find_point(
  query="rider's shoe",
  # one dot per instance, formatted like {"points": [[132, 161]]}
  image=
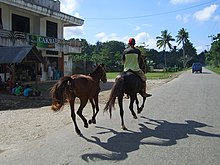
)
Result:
{"points": [[146, 95]]}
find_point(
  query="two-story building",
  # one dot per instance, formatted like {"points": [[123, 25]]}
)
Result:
{"points": [[35, 28]]}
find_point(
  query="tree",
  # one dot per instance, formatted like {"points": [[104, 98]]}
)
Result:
{"points": [[190, 53], [215, 51], [182, 37], [163, 41]]}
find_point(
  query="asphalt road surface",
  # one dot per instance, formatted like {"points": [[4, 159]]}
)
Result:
{"points": [[180, 125]]}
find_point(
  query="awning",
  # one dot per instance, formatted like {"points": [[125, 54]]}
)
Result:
{"points": [[17, 54]]}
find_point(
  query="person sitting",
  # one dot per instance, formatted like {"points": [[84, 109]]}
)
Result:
{"points": [[27, 91], [9, 85], [131, 57], [18, 89]]}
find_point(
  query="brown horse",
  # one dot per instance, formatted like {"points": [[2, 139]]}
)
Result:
{"points": [[85, 87]]}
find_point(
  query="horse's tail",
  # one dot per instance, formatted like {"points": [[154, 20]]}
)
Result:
{"points": [[59, 93], [116, 89]]}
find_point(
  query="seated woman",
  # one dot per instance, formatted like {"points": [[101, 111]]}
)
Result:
{"points": [[27, 91], [18, 90]]}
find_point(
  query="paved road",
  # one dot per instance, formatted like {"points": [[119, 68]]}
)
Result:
{"points": [[179, 125]]}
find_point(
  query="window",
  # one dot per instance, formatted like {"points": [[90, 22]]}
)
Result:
{"points": [[20, 23], [51, 29]]}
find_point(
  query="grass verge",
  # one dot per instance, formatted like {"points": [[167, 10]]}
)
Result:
{"points": [[150, 75], [216, 70]]}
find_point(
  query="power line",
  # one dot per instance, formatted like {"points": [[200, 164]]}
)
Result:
{"points": [[150, 15]]}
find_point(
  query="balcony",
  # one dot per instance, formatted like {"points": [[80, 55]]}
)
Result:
{"points": [[14, 38]]}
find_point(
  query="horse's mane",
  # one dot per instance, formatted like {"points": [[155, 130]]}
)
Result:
{"points": [[94, 72], [96, 69]]}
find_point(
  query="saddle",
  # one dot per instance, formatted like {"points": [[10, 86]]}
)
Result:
{"points": [[129, 72]]}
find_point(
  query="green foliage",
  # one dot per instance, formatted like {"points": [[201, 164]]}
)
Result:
{"points": [[110, 53], [214, 69], [164, 40], [182, 37], [213, 56]]}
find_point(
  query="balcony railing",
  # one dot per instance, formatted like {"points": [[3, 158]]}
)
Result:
{"points": [[14, 38]]}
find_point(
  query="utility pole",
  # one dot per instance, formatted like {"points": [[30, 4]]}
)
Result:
{"points": [[214, 38]]}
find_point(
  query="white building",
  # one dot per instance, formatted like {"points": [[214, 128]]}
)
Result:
{"points": [[39, 23]]}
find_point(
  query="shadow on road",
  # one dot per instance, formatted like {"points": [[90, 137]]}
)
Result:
{"points": [[164, 134]]}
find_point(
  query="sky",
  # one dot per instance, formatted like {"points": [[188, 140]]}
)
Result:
{"points": [[119, 20]]}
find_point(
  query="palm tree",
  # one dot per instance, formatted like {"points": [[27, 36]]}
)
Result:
{"points": [[182, 37], [163, 41]]}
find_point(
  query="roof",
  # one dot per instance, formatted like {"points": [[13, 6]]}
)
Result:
{"points": [[17, 54]]}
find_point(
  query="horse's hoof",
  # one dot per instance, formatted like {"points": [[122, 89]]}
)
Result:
{"points": [[86, 126], [140, 110], [124, 128], [90, 121]]}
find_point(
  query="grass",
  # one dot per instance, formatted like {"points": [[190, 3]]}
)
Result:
{"points": [[151, 75], [159, 75], [216, 70]]}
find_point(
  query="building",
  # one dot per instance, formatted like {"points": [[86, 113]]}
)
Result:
{"points": [[38, 23]]}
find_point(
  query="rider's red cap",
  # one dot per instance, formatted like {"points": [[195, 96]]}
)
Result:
{"points": [[131, 41]]}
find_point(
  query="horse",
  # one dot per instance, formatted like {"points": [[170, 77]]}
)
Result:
{"points": [[84, 87], [126, 83]]}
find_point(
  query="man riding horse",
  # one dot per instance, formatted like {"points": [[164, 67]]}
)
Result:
{"points": [[131, 57]]}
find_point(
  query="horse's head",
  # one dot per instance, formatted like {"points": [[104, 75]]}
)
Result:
{"points": [[103, 77], [99, 73]]}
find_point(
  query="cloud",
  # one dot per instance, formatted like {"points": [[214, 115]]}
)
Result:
{"points": [[68, 6], [206, 13], [184, 18], [200, 49], [73, 32], [102, 37], [141, 38], [175, 2], [145, 39]]}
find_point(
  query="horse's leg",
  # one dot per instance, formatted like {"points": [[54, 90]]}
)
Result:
{"points": [[120, 103], [137, 102], [83, 103], [97, 109], [131, 107], [73, 115], [93, 109], [142, 105]]}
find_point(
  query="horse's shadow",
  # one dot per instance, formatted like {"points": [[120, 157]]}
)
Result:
{"points": [[164, 134]]}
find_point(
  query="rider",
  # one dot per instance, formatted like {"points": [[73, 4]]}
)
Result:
{"points": [[130, 58]]}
